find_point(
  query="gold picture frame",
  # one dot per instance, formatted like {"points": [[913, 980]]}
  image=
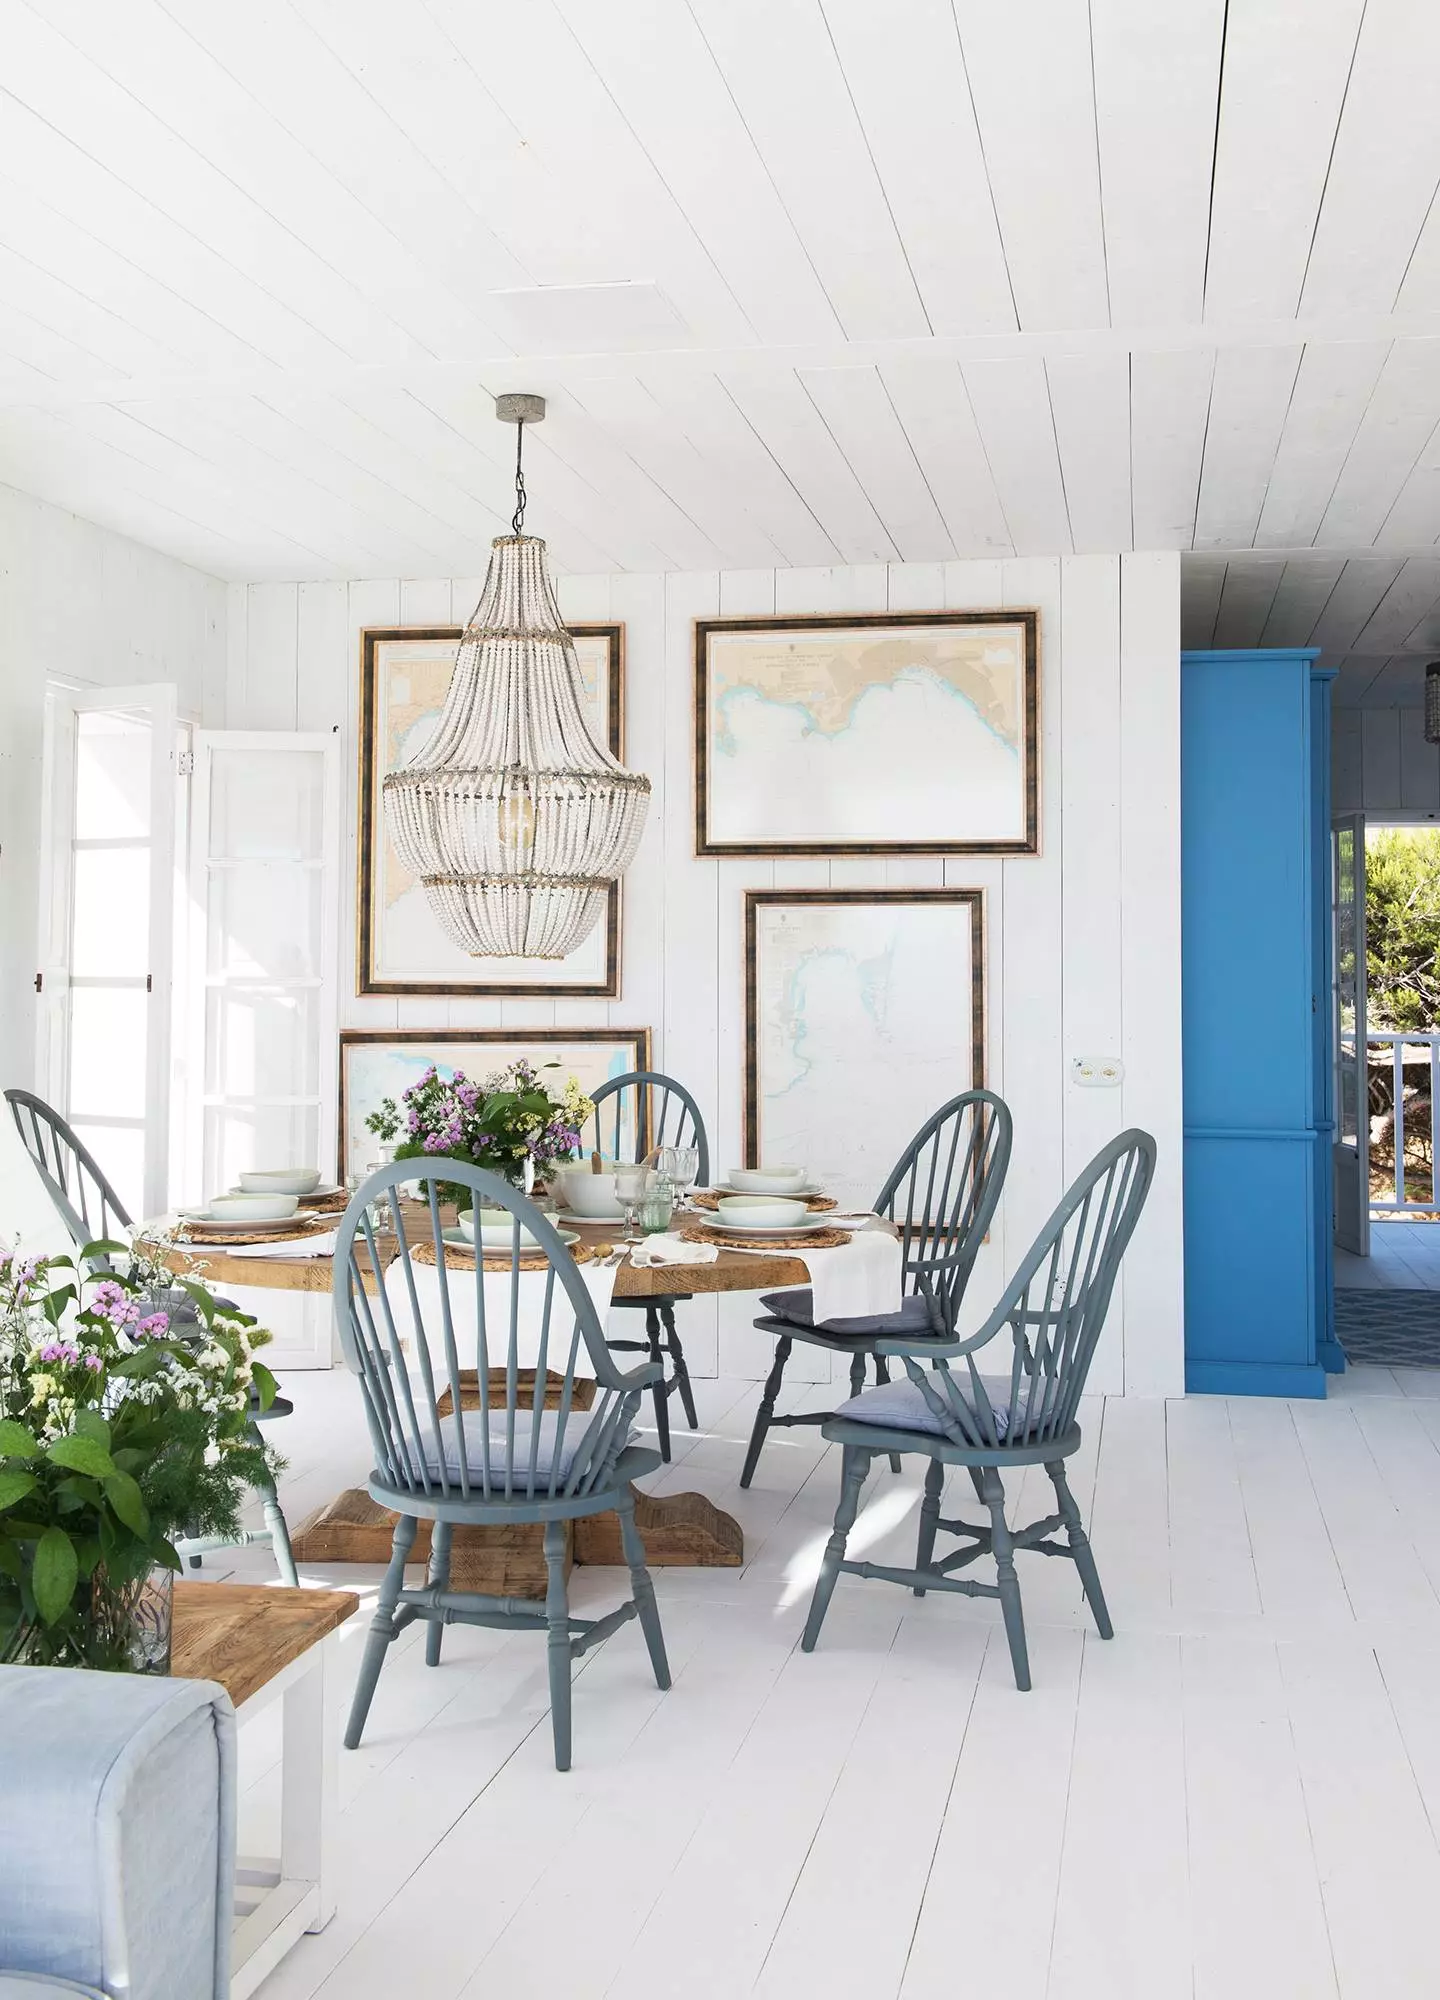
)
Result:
{"points": [[375, 971], [999, 718], [901, 984], [365, 1079]]}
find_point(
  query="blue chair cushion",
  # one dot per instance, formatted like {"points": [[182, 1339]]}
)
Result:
{"points": [[577, 1426], [35, 1985], [899, 1406], [916, 1316]]}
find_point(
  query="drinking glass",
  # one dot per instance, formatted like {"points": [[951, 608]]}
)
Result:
{"points": [[680, 1164], [630, 1186]]}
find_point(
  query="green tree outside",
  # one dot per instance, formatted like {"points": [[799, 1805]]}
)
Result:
{"points": [[1402, 925]]}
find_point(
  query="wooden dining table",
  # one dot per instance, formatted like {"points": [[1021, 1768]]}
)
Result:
{"points": [[679, 1530]]}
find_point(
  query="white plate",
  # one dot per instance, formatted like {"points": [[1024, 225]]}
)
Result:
{"points": [[243, 1224], [749, 1194], [574, 1215], [464, 1242], [790, 1229]]}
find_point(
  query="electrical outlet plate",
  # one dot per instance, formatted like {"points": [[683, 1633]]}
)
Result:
{"points": [[1096, 1072]]}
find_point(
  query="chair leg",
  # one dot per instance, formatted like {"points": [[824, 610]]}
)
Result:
{"points": [[682, 1373], [1080, 1550], [929, 1518], [882, 1374], [275, 1522], [1004, 1551], [767, 1408], [660, 1394], [557, 1618], [642, 1589], [439, 1573], [382, 1629], [854, 1466]]}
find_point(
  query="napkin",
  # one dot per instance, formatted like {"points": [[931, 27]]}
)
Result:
{"points": [[667, 1248], [321, 1244], [862, 1278]]}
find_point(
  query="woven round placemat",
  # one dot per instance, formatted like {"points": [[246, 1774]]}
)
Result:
{"points": [[808, 1239], [818, 1204], [334, 1203], [294, 1229], [463, 1257]]}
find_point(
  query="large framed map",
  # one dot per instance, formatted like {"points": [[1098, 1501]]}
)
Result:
{"points": [[901, 733], [864, 1013], [380, 1063], [400, 948]]}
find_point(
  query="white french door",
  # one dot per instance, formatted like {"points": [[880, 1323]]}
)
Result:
{"points": [[1352, 1073], [262, 1049], [111, 802]]}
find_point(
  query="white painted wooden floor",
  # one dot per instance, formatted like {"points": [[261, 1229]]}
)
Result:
{"points": [[1237, 1797], [1404, 1256]]}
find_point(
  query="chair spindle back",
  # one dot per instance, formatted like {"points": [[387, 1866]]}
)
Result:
{"points": [[636, 1113], [941, 1195], [88, 1205]]}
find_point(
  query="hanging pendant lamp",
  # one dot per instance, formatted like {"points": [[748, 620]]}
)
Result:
{"points": [[516, 820]]}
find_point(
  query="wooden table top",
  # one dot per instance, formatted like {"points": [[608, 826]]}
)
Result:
{"points": [[733, 1270], [243, 1635]]}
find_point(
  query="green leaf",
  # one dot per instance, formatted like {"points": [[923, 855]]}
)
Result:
{"points": [[81, 1454], [265, 1382], [14, 1486], [54, 1574], [16, 1441], [103, 1246], [125, 1497], [90, 1424]]}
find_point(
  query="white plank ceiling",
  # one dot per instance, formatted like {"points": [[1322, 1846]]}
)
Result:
{"points": [[917, 280]]}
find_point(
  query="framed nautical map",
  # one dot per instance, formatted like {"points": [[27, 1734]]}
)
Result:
{"points": [[901, 733], [864, 1013], [380, 1063], [400, 948]]}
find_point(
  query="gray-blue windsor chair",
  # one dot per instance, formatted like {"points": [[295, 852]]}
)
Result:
{"points": [[1055, 1307], [93, 1213], [940, 1194], [497, 1463], [634, 1115]]}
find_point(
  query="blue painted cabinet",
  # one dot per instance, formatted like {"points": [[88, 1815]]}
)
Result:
{"points": [[1255, 840]]}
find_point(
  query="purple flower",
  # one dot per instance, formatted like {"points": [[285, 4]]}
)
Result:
{"points": [[93, 1362], [59, 1350], [124, 1313], [106, 1294], [458, 1076], [154, 1326]]}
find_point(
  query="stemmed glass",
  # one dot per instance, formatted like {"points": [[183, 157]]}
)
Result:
{"points": [[630, 1186], [680, 1166]]}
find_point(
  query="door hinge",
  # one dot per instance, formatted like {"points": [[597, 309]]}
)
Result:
{"points": [[39, 982], [149, 983], [185, 764]]}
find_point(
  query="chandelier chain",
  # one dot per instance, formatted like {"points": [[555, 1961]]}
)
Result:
{"points": [[517, 519]]}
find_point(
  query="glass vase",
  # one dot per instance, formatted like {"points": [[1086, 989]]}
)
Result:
{"points": [[110, 1628]]}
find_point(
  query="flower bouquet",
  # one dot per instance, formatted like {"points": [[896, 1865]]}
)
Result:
{"points": [[123, 1421], [514, 1124]]}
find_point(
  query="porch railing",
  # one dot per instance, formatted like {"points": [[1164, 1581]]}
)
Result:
{"points": [[1412, 1059]]}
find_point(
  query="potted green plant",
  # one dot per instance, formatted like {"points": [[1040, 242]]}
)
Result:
{"points": [[514, 1123], [124, 1419]]}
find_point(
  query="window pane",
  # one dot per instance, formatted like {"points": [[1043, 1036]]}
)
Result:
{"points": [[107, 1053], [119, 1152], [266, 803], [264, 922], [260, 1044], [110, 936], [261, 1136], [112, 777]]}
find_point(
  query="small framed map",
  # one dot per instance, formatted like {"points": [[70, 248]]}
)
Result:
{"points": [[901, 733], [380, 1063], [864, 1013], [400, 948]]}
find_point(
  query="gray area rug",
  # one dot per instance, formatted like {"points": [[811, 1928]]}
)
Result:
{"points": [[1390, 1329]]}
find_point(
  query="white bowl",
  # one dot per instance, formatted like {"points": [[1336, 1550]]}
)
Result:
{"points": [[280, 1180], [497, 1228], [761, 1212], [253, 1207], [767, 1180], [584, 1192]]}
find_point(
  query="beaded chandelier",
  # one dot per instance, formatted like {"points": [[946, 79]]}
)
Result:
{"points": [[514, 817]]}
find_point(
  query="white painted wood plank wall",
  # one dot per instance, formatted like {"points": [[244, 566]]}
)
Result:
{"points": [[78, 602], [1083, 942], [1381, 764]]}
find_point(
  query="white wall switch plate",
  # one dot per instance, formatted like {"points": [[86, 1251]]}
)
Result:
{"points": [[1096, 1072]]}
